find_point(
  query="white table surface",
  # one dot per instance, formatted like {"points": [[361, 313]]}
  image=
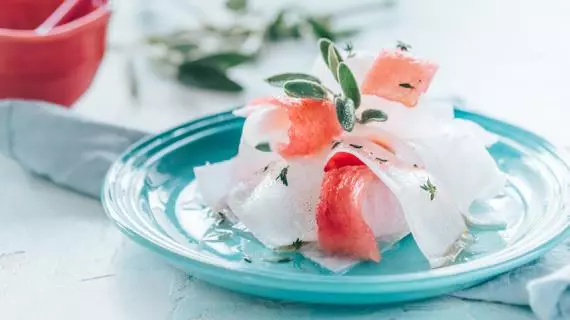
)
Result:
{"points": [[60, 258]]}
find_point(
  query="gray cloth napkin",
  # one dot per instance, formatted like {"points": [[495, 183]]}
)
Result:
{"points": [[75, 153], [52, 142]]}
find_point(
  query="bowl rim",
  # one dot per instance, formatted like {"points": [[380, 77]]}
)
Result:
{"points": [[68, 29]]}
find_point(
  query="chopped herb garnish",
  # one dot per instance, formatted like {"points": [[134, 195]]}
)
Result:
{"points": [[349, 49], [247, 259], [335, 144], [221, 218], [355, 146], [265, 168], [264, 147], [297, 244], [373, 115], [283, 176], [407, 85], [416, 166], [381, 160], [403, 46], [278, 259], [430, 188]]}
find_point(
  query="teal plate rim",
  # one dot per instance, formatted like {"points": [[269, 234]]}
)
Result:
{"points": [[233, 271]]}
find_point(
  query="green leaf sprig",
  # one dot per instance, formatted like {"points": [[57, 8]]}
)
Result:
{"points": [[430, 188], [300, 85], [202, 57], [283, 176]]}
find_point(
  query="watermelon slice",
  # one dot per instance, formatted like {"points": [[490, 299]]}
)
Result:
{"points": [[397, 76], [311, 124], [341, 227]]}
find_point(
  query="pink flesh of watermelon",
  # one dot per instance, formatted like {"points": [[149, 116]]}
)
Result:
{"points": [[393, 68], [313, 124], [341, 227]]}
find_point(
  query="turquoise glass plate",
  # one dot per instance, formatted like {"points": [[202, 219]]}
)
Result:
{"points": [[149, 194]]}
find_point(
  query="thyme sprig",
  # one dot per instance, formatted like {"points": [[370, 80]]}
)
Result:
{"points": [[283, 176], [430, 188]]}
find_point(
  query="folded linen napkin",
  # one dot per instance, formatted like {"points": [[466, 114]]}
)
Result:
{"points": [[75, 153], [56, 144]]}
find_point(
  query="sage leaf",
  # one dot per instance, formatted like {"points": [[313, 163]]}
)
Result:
{"points": [[333, 61], [320, 29], [373, 115], [223, 60], [348, 84], [206, 77], [324, 45], [345, 113], [304, 89], [280, 79], [236, 5], [281, 28]]}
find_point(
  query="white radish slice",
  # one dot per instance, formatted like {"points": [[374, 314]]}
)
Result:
{"points": [[436, 224], [454, 152], [275, 213], [267, 125], [405, 122], [382, 212], [460, 161], [214, 181], [338, 264]]}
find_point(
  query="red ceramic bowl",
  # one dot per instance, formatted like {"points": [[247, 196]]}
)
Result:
{"points": [[56, 67]]}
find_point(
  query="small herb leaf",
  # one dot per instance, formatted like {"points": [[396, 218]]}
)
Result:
{"points": [[304, 89], [264, 147], [279, 80], [333, 60], [283, 176], [403, 46], [206, 77], [348, 84], [349, 49], [297, 244], [373, 115], [355, 146], [407, 85], [324, 45], [381, 160], [335, 144], [345, 113], [430, 188], [278, 259]]}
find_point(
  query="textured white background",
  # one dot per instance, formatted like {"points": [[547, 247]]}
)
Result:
{"points": [[61, 259]]}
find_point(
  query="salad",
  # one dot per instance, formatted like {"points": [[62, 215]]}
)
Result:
{"points": [[352, 157]]}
